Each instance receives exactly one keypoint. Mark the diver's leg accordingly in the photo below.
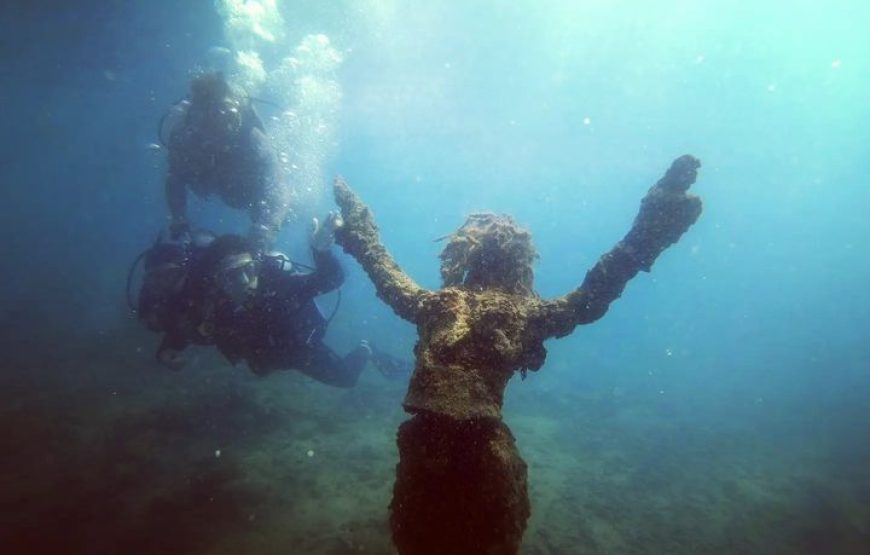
(460, 488)
(322, 364)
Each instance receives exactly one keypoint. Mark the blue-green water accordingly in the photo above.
(722, 404)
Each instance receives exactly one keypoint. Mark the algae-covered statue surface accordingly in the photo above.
(460, 482)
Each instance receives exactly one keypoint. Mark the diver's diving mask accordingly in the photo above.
(228, 115)
(219, 117)
(237, 276)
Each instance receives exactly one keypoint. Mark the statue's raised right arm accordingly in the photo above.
(666, 212)
(359, 238)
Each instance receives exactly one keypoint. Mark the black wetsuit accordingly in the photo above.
(241, 168)
(278, 328)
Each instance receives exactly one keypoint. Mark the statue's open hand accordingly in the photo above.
(668, 209)
(681, 175)
(666, 212)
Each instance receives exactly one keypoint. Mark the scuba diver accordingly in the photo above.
(253, 308)
(218, 145)
(461, 485)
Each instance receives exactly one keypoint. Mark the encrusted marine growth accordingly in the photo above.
(460, 483)
(489, 251)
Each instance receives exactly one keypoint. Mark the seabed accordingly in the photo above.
(106, 452)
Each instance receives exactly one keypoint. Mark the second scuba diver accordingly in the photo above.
(219, 146)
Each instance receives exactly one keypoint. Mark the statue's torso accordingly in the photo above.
(470, 345)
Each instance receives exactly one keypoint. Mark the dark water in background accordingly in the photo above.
(721, 406)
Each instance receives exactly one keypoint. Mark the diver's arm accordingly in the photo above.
(327, 275)
(359, 238)
(666, 212)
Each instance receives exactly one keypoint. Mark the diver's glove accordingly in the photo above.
(261, 237)
(323, 235)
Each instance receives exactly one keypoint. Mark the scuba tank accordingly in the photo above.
(166, 268)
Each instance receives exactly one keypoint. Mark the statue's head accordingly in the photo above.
(489, 251)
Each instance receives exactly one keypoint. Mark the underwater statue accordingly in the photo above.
(460, 483)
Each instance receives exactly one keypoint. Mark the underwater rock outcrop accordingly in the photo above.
(460, 482)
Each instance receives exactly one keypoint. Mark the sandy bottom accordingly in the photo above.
(103, 452)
